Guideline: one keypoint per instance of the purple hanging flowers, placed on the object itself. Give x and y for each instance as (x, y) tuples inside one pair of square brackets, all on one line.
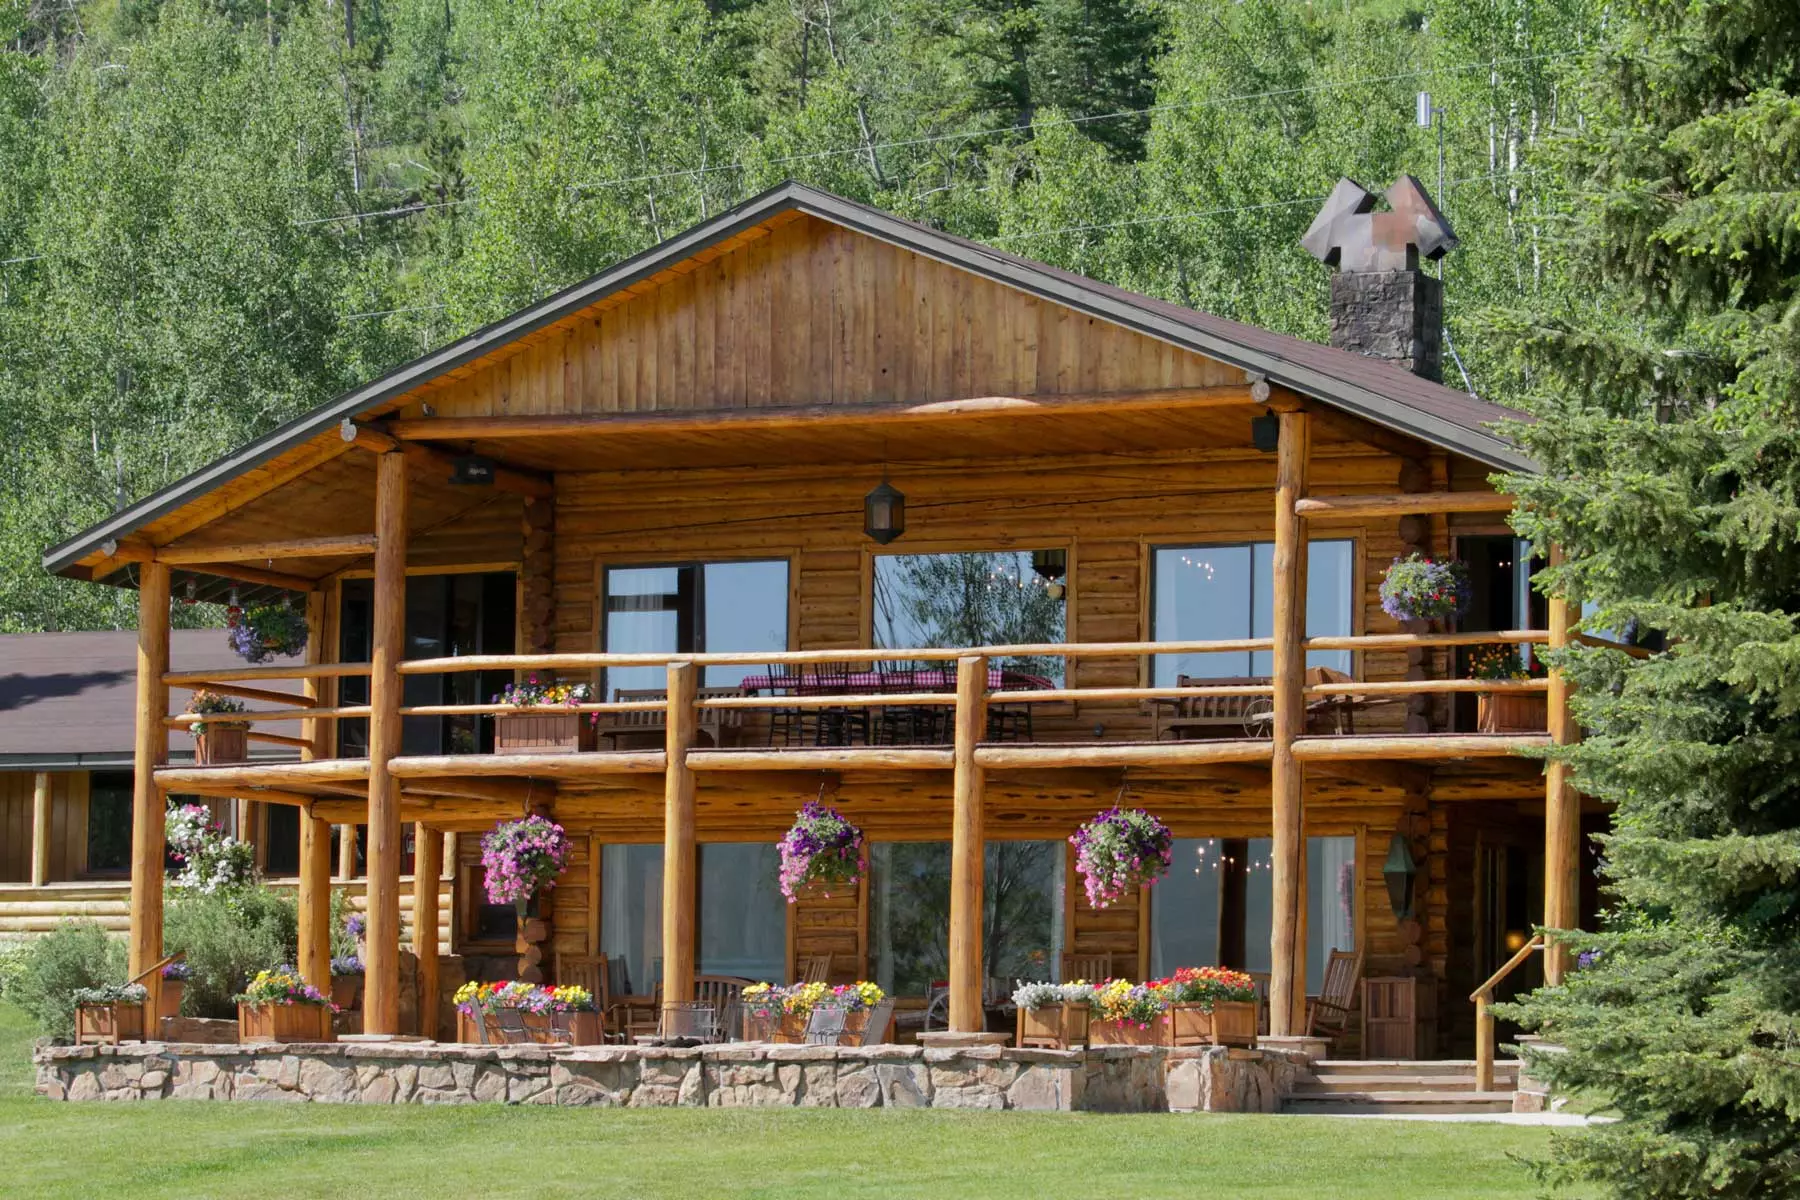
[(523, 858), (1421, 588), (1120, 851), (821, 853)]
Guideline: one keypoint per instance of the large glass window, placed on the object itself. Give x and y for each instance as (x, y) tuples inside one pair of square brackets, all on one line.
[(1213, 593), (909, 913), (741, 917), (979, 598), (1215, 905), (690, 609)]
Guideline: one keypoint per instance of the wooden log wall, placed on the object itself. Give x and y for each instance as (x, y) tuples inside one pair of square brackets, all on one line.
[(68, 825), (837, 925)]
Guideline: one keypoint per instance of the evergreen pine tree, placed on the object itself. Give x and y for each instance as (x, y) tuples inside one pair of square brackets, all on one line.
[(1671, 477)]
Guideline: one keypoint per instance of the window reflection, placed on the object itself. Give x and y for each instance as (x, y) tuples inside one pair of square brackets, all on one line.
[(979, 598), (689, 609), (1214, 593), (741, 916)]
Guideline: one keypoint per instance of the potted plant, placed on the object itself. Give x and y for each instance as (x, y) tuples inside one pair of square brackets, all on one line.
[(1120, 851), (521, 860), (111, 1013), (821, 853), (346, 982), (218, 741), (857, 1000), (265, 631), (175, 976), (1127, 1014), (1054, 1016), (471, 1011), (279, 1006), (574, 1008), (539, 732), (1422, 588), (1208, 1005), (1507, 712), (779, 1014), (211, 859)]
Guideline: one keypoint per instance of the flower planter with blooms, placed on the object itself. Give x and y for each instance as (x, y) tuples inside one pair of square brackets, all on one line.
[(175, 976), (110, 1014), (1120, 851), (279, 1006), (265, 631), (821, 854), (1054, 1016), (218, 741), (543, 1008), (1213, 1005), (346, 982), (1421, 588), (1508, 712), (1127, 1014), (779, 1014), (543, 732)]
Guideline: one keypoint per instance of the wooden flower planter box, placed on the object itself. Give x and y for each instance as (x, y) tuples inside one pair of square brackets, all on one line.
[(170, 1006), (542, 733), (285, 1023), (222, 744), (1055, 1026), (587, 1029), (1511, 712), (470, 1030), (1127, 1033), (109, 1023), (1230, 1023), (787, 1029)]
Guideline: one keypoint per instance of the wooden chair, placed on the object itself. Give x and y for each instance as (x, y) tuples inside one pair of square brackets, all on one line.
[(594, 974), (840, 725), (816, 968), (716, 726), (1328, 1013), (1260, 980), (1091, 968), (790, 726), (1179, 717), (875, 1032)]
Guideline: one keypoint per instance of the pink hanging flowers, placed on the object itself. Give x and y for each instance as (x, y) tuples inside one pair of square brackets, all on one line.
[(522, 859), (1120, 851), (821, 853)]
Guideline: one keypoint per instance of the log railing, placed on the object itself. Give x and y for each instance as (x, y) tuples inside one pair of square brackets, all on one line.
[(1483, 998)]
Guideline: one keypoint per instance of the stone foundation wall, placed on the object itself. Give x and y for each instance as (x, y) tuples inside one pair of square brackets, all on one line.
[(1110, 1079)]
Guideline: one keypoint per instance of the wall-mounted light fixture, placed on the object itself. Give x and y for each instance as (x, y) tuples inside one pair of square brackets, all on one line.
[(884, 512), (1401, 871), (1265, 433)]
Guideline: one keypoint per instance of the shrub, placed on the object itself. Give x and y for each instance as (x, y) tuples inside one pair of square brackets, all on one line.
[(228, 937), (76, 954)]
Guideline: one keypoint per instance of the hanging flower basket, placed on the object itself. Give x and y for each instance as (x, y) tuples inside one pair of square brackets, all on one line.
[(1421, 588), (821, 854), (264, 631), (1120, 851), (522, 859)]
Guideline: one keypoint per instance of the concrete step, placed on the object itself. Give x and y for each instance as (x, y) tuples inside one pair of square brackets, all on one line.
[(1328, 1084), (1397, 1103), (1507, 1067)]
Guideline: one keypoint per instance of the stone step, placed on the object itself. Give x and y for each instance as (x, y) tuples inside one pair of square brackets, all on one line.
[(1329, 1084), (1507, 1067), (1398, 1103)]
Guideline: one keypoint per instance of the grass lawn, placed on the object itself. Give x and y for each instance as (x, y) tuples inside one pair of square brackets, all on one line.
[(193, 1149)]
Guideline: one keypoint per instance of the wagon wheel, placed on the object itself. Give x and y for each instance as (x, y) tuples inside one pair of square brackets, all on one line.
[(1259, 717)]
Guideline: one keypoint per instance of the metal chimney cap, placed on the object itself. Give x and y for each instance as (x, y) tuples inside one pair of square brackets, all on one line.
[(1349, 234)]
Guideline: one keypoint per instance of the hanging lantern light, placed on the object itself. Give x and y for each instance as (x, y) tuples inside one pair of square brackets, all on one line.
[(1400, 870), (884, 512)]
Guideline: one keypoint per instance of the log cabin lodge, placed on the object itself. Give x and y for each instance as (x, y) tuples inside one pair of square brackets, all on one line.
[(1059, 545)]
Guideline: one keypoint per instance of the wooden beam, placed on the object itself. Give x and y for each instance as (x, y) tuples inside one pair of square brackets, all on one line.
[(1388, 775), (1406, 641), (366, 435), (507, 478), (680, 893), (865, 758), (270, 774), (300, 671), (509, 793), (428, 865), (40, 829), (1287, 780), (150, 751), (1328, 507), (381, 963), (550, 766), (1124, 754), (967, 850), (277, 739), (268, 695), (313, 547), (1416, 747), (1334, 424), (1562, 806), (315, 901), (804, 416)]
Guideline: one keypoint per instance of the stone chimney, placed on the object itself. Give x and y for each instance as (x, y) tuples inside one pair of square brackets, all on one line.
[(1382, 304)]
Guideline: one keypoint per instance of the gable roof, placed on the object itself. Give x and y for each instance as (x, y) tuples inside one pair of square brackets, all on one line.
[(68, 701), (1374, 390)]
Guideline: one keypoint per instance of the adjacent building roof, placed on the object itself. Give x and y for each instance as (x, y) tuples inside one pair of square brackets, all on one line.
[(1368, 388), (68, 701)]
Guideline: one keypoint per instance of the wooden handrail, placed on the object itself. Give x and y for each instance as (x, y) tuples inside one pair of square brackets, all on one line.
[(157, 966), (273, 671), (1483, 997)]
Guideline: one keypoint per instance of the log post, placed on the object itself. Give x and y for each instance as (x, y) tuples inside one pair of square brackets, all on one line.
[(315, 901), (1484, 1044), (428, 865), (40, 829), (966, 849), (679, 891), (381, 966), (150, 751), (1287, 783), (346, 857), (1562, 806)]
